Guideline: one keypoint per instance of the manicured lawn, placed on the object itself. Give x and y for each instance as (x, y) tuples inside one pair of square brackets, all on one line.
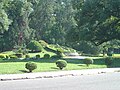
[(43, 65), (116, 55), (18, 66)]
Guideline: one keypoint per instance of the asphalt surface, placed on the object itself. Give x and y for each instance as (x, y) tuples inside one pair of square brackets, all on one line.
[(109, 81)]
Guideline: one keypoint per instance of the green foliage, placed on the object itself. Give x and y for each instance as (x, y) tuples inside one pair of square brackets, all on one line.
[(37, 56), (87, 47), (4, 20), (19, 55), (55, 57), (30, 66), (109, 53), (88, 61), (13, 57), (2, 56), (61, 64), (27, 56), (34, 46), (59, 53), (98, 20), (7, 56), (46, 56), (43, 43), (108, 61)]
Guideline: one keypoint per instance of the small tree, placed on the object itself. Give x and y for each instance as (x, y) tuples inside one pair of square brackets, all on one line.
[(30, 66), (88, 61), (61, 64)]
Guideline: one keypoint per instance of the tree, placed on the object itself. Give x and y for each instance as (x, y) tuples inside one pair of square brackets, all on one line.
[(18, 32), (98, 20), (4, 23), (52, 19), (4, 20)]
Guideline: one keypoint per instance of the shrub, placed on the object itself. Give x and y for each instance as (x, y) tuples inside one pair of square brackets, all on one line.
[(7, 56), (61, 64), (30, 66), (13, 57), (43, 43), (59, 53), (19, 55), (47, 56), (2, 56), (88, 61), (38, 56), (109, 53), (27, 56), (108, 61), (34, 46)]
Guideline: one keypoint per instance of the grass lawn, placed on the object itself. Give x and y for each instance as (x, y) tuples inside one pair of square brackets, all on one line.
[(43, 65), (13, 66)]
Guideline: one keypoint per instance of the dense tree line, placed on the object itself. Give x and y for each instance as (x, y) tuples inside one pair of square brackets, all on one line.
[(64, 22)]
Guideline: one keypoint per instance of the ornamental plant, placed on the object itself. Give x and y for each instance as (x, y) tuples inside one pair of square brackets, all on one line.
[(46, 56), (30, 66), (61, 64), (108, 61), (34, 46), (88, 61)]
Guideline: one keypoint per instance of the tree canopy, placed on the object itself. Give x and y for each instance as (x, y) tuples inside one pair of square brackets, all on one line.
[(64, 22), (98, 20)]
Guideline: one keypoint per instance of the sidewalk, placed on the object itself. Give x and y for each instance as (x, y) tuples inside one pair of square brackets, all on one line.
[(5, 77)]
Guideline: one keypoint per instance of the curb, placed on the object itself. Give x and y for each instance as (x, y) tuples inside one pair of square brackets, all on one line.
[(7, 77)]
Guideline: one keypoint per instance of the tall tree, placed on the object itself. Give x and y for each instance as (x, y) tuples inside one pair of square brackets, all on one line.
[(4, 22), (98, 20), (19, 32), (52, 19)]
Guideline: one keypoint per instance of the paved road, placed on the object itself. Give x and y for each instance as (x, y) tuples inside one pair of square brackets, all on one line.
[(110, 81)]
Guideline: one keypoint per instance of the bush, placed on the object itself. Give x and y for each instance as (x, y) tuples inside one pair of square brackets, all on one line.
[(59, 53), (34, 46), (38, 56), (110, 53), (43, 43), (7, 57), (13, 57), (46, 56), (108, 61), (19, 55), (2, 56), (61, 64), (88, 61), (27, 56), (30, 66)]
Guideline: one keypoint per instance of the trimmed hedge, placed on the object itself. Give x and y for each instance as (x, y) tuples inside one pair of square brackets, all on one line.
[(108, 61), (61, 64), (37, 56), (30, 66), (2, 56), (35, 46), (46, 56), (27, 56), (88, 61)]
